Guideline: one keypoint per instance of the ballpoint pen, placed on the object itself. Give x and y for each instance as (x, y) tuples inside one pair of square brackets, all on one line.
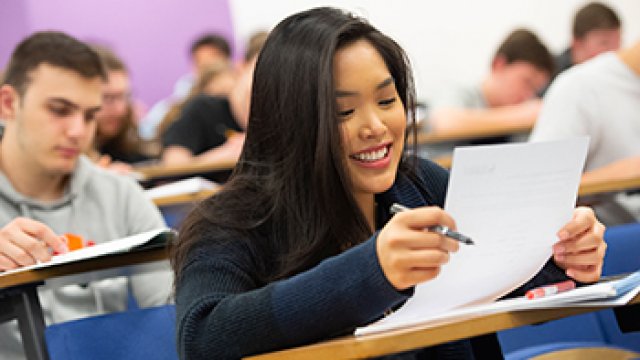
[(440, 229)]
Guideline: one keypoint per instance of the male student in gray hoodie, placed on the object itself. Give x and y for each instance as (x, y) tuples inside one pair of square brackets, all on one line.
[(50, 93)]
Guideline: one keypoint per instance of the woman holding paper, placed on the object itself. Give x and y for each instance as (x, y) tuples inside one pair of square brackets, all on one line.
[(300, 245)]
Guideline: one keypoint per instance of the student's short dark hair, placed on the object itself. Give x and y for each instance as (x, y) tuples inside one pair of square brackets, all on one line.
[(524, 45), (594, 16), (212, 40), (53, 48)]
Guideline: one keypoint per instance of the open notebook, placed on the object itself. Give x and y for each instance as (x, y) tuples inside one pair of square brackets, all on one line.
[(149, 239)]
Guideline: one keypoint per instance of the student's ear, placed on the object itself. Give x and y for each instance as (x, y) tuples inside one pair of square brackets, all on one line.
[(9, 102), (499, 62)]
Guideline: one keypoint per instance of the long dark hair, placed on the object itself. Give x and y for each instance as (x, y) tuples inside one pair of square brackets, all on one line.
[(289, 196)]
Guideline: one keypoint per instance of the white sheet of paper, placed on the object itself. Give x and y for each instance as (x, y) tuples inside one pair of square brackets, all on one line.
[(511, 199), (186, 186), (110, 247)]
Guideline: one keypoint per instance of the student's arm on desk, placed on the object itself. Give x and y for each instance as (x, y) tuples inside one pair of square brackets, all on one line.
[(627, 168), (25, 241), (524, 114), (230, 150), (223, 309)]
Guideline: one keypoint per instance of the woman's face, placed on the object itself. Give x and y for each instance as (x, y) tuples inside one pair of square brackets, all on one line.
[(373, 118)]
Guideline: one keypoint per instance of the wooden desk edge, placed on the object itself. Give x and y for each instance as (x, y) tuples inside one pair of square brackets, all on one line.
[(396, 341), (471, 133), (609, 186), (586, 189), (184, 198), (93, 264), (155, 171)]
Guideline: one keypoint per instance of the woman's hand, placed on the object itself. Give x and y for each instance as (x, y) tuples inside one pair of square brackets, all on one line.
[(410, 254), (580, 251)]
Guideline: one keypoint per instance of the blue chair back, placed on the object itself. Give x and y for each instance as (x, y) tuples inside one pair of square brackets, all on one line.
[(137, 334)]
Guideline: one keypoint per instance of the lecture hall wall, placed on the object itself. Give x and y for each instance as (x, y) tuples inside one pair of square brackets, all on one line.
[(449, 42)]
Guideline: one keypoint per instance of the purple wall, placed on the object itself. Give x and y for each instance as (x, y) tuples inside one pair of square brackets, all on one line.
[(153, 37)]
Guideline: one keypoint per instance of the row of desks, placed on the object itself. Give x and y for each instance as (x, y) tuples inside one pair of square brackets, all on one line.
[(20, 289), (586, 189), (151, 173)]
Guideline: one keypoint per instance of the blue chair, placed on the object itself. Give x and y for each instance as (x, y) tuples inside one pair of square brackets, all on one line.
[(136, 334), (174, 214), (598, 329), (623, 256), (576, 350)]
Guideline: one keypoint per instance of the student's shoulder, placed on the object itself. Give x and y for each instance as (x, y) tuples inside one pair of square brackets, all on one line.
[(427, 170), (588, 75), (207, 102), (426, 178), (93, 176)]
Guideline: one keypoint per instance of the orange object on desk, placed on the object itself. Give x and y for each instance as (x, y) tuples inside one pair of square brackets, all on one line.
[(75, 242)]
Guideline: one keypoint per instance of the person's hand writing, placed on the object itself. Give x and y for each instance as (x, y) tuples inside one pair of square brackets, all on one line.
[(408, 253), (24, 242), (580, 251)]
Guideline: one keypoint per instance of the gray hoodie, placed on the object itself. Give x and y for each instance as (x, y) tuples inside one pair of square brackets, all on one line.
[(98, 206)]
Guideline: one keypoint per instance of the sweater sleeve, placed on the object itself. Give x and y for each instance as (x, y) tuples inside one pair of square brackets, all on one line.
[(222, 313)]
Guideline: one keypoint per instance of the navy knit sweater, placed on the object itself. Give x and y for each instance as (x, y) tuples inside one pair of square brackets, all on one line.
[(225, 312)]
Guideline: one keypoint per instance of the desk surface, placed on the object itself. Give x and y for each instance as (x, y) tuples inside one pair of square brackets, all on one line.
[(184, 198), (162, 171), (592, 188), (586, 189), (608, 186), (415, 337), (472, 132), (135, 257)]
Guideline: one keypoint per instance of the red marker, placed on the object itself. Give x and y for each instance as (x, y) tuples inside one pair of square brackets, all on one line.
[(550, 289)]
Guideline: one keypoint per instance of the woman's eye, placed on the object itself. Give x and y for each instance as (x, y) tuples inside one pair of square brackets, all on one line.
[(345, 112), (387, 101)]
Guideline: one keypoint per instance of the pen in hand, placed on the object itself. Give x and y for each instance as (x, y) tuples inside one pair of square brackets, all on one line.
[(440, 229)]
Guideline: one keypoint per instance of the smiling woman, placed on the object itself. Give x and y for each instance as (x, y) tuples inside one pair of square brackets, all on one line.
[(300, 245)]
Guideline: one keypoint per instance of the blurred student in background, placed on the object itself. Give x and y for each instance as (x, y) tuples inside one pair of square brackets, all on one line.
[(50, 96), (216, 80), (601, 99), (205, 51), (520, 68), (211, 128), (596, 29), (117, 143)]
